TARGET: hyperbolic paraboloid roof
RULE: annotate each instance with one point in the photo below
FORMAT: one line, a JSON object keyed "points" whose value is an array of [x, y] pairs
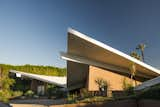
{"points": [[84, 49]]}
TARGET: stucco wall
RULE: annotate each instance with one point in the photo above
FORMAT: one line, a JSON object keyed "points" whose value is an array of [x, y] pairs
{"points": [[114, 80]]}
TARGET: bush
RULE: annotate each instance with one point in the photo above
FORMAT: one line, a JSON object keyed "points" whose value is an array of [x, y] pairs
{"points": [[94, 99], [17, 94], [129, 91], [5, 95], [29, 93], [51, 91], [150, 93], [84, 93], [72, 98]]}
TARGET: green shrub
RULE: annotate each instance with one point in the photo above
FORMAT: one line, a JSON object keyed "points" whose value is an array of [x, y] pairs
{"points": [[35, 69], [126, 84], [129, 91], [5, 95], [84, 93], [94, 99], [29, 93], [72, 98], [150, 93], [102, 84], [51, 90], [17, 94]]}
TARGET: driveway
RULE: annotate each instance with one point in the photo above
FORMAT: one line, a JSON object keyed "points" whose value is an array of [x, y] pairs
{"points": [[36, 102]]}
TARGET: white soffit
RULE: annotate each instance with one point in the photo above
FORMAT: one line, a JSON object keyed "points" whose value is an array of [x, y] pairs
{"points": [[59, 81], [115, 51], [83, 60]]}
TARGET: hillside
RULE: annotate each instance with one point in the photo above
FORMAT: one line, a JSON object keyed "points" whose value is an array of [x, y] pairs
{"points": [[36, 69]]}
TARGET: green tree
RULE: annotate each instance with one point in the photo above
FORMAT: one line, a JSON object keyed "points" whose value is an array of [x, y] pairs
{"points": [[102, 85], [133, 73], [135, 55], [141, 47]]}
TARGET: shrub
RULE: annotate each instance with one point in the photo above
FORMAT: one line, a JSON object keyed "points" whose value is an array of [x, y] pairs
{"points": [[51, 90], [94, 99], [17, 94], [102, 85], [72, 98], [129, 91], [5, 95], [150, 93], [84, 93], [126, 84], [29, 93]]}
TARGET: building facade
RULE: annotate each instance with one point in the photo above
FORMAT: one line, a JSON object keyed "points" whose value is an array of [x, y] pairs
{"points": [[89, 60]]}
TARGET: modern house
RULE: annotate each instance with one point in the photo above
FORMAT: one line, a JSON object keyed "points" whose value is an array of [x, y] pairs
{"points": [[37, 83], [89, 60]]}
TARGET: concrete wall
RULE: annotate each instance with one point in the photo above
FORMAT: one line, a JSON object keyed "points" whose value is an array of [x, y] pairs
{"points": [[114, 80], [82, 75], [76, 75]]}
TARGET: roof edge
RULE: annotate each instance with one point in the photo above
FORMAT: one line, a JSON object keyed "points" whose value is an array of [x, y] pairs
{"points": [[113, 50]]}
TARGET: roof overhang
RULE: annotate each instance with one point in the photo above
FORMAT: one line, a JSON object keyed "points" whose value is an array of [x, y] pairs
{"points": [[117, 69], [83, 49], [59, 81], [147, 84]]}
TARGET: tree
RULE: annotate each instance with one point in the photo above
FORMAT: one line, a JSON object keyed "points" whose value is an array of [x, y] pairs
{"points": [[133, 73], [141, 47], [135, 55], [102, 85]]}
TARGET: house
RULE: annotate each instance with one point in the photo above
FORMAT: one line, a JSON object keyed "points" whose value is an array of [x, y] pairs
{"points": [[37, 83], [89, 60]]}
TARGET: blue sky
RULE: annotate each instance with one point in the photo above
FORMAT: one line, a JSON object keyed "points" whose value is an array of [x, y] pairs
{"points": [[35, 31]]}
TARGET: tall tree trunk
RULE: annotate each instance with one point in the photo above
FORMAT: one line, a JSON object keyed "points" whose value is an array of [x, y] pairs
{"points": [[142, 55]]}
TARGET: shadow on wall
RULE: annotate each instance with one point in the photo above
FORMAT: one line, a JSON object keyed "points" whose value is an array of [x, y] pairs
{"points": [[120, 103]]}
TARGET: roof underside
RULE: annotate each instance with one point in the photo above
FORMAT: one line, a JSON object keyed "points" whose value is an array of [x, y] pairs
{"points": [[148, 83], [59, 81], [82, 49]]}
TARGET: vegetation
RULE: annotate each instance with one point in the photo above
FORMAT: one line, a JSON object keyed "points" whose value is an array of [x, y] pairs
{"points": [[141, 47], [129, 93], [94, 99], [55, 91], [126, 84], [41, 70], [135, 55], [5, 82], [133, 73], [72, 98], [150, 93], [86, 97], [29, 93], [102, 84]]}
